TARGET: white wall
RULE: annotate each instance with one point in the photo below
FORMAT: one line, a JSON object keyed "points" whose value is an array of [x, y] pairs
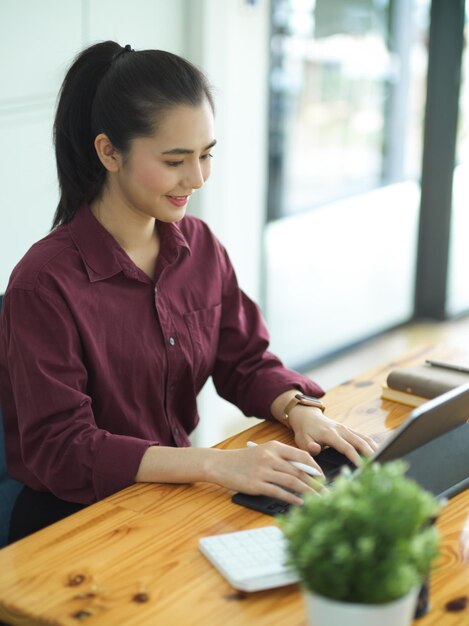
{"points": [[33, 36], [140, 23], [38, 41]]}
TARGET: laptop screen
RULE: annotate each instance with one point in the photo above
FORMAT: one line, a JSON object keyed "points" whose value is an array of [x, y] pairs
{"points": [[442, 465], [434, 441]]}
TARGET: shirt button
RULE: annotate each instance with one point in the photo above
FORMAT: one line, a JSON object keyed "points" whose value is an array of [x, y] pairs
{"points": [[176, 431], [172, 341], [156, 289]]}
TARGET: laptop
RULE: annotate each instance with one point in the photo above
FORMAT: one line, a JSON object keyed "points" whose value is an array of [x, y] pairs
{"points": [[433, 441]]}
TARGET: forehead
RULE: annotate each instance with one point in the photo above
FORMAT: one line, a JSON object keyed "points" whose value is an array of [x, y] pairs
{"points": [[186, 126]]}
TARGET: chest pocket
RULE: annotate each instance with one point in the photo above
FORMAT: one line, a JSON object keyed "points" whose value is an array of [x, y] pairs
{"points": [[204, 326]]}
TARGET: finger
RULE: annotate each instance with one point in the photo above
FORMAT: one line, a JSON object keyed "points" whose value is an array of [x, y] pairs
{"points": [[369, 440], [275, 491], [297, 481], [346, 448], [315, 485], [307, 468], [351, 453], [290, 453], [308, 465], [282, 480], [359, 442], [313, 447], [318, 484], [308, 444]]}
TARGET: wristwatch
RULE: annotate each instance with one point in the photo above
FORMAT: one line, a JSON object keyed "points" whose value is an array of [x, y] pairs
{"points": [[300, 398]]}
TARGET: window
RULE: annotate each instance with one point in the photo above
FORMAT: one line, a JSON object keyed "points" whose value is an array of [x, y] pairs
{"points": [[347, 103], [347, 87]]}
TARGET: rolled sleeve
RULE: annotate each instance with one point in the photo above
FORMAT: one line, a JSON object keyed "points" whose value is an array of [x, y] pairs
{"points": [[117, 463], [246, 373], [266, 387]]}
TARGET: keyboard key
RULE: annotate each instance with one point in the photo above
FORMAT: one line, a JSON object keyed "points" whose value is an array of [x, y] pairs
{"points": [[250, 560]]}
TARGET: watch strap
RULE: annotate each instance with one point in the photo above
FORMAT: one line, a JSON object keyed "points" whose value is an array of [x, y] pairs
{"points": [[300, 398]]}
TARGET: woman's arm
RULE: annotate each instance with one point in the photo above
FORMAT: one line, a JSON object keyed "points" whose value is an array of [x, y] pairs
{"points": [[262, 470], [265, 469]]}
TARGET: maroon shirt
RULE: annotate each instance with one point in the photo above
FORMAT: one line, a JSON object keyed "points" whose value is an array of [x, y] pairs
{"points": [[98, 362]]}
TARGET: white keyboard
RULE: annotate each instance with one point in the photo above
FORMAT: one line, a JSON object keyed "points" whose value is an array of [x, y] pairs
{"points": [[250, 560]]}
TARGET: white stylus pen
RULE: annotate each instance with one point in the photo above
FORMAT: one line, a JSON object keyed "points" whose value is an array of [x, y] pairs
{"points": [[312, 471]]}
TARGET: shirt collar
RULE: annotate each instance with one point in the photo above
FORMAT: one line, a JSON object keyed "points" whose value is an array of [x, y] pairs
{"points": [[172, 240], [103, 256]]}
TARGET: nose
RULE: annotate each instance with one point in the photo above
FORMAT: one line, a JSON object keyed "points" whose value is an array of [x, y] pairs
{"points": [[195, 177]]}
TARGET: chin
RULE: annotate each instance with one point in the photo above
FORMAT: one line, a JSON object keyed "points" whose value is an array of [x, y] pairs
{"points": [[172, 216]]}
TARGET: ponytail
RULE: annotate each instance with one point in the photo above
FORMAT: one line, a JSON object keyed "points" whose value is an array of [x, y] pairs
{"points": [[119, 92], [79, 170]]}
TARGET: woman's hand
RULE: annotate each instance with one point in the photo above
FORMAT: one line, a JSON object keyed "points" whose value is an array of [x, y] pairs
{"points": [[264, 470], [313, 430]]}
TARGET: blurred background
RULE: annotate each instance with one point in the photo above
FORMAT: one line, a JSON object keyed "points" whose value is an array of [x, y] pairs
{"points": [[340, 182]]}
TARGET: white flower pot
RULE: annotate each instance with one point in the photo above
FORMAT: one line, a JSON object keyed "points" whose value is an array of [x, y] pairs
{"points": [[323, 611]]}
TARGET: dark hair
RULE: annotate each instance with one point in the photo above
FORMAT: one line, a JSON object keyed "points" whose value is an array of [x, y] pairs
{"points": [[120, 92]]}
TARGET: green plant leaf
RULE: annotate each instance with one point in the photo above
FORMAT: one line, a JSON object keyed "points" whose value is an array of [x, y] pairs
{"points": [[368, 539]]}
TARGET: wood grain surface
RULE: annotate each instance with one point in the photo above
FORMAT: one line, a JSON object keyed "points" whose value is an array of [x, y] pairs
{"points": [[133, 558]]}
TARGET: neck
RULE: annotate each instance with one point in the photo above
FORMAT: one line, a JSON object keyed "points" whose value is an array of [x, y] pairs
{"points": [[135, 232], [130, 229]]}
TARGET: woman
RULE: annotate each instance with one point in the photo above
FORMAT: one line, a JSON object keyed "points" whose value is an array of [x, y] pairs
{"points": [[113, 322]]}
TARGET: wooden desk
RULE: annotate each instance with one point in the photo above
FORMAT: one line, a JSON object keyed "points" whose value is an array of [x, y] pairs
{"points": [[133, 558]]}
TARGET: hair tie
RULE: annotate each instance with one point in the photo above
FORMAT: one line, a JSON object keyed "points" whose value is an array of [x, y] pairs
{"points": [[124, 50]]}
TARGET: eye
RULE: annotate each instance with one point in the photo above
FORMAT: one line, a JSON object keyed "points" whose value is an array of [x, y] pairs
{"points": [[174, 163], [206, 157]]}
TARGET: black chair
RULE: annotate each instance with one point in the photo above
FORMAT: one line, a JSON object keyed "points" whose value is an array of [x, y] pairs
{"points": [[9, 488]]}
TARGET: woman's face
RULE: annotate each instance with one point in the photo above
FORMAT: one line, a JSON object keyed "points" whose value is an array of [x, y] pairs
{"points": [[159, 173]]}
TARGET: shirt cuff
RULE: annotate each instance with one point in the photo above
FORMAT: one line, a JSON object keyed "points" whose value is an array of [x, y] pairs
{"points": [[277, 385], [117, 463]]}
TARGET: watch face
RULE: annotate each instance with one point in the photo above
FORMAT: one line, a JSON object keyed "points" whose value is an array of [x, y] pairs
{"points": [[309, 400], [301, 396]]}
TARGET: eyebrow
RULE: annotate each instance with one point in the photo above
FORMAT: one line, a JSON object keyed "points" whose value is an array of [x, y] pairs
{"points": [[186, 151]]}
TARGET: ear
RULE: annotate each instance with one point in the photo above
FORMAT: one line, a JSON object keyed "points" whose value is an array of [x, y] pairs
{"points": [[109, 156]]}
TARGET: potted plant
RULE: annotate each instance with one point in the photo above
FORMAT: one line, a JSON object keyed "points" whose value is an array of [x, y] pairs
{"points": [[363, 548]]}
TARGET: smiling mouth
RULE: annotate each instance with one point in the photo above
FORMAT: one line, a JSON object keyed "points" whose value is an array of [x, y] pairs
{"points": [[178, 200]]}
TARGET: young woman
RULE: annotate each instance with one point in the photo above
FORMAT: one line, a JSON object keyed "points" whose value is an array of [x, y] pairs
{"points": [[113, 322]]}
